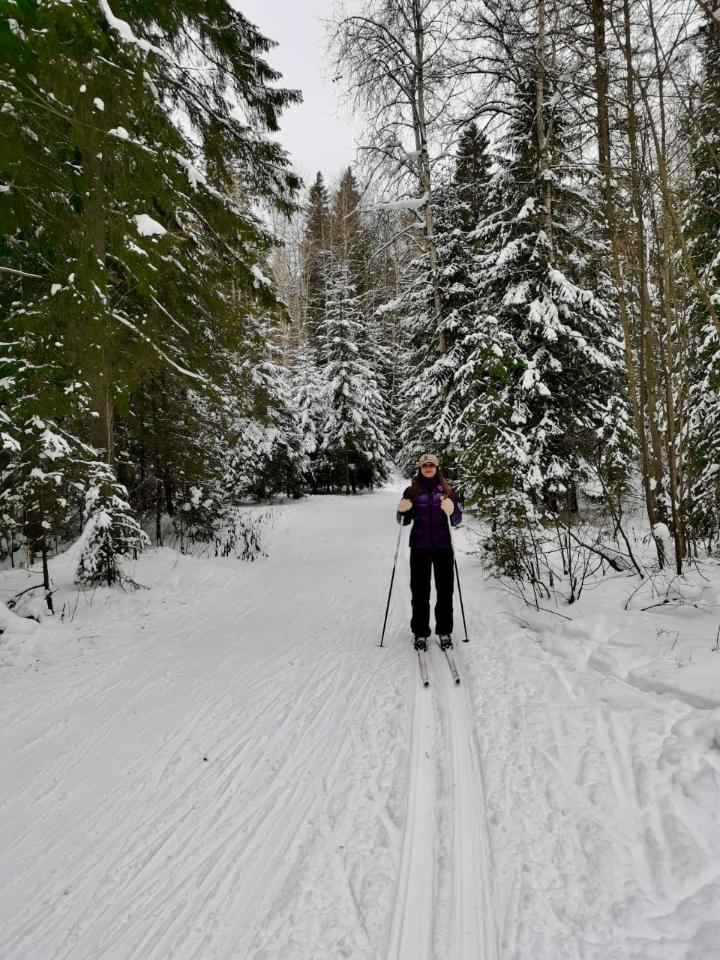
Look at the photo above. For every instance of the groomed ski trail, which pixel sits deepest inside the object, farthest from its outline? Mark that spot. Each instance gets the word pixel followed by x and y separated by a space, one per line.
pixel 445 901
pixel 228 767
pixel 474 898
pixel 411 936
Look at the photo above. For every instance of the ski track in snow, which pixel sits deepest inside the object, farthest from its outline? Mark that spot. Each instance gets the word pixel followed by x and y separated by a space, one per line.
pixel 473 892
pixel 411 936
pixel 228 768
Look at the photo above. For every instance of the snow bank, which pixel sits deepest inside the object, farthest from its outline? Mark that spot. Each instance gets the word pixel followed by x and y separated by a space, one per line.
pixel 645 653
pixel 660 635
pixel 29 640
pixel 11 624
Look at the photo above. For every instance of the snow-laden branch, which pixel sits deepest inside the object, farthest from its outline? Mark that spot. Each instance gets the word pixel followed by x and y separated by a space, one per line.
pixel 131 326
pixel 21 273
pixel 126 31
pixel 147 227
pixel 411 203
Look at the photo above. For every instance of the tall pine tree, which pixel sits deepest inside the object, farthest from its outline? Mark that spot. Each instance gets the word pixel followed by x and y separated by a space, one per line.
pixel 355 429
pixel 702 228
pixel 127 221
pixel 541 380
pixel 316 248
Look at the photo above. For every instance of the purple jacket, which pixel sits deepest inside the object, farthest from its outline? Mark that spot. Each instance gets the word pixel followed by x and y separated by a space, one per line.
pixel 430 523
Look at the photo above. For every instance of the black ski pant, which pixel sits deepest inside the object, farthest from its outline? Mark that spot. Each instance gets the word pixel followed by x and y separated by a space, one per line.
pixel 421 563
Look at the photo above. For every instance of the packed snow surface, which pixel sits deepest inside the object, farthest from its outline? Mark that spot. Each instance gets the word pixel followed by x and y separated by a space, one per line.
pixel 226 766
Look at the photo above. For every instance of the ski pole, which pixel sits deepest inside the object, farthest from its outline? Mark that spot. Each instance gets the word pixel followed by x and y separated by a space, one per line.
pixel 392 580
pixel 457 578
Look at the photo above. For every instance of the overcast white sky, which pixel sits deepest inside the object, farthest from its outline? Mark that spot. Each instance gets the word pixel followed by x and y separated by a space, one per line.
pixel 317 135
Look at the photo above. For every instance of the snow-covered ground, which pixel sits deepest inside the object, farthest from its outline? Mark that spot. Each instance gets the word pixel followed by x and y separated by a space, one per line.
pixel 228 767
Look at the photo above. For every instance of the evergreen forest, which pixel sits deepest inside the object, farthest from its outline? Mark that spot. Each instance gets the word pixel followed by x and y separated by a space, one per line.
pixel 520 273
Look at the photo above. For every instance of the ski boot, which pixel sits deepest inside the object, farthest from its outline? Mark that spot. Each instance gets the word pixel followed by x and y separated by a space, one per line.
pixel 420 643
pixel 445 641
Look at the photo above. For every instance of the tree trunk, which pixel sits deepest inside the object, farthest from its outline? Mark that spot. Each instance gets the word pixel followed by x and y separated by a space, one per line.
pixel 102 427
pixel 542 136
pixel 652 466
pixel 668 300
pixel 672 451
pixel 44 553
pixel 599 15
pixel 158 513
pixel 424 170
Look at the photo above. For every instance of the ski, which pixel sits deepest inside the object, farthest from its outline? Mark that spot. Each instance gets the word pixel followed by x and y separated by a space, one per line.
pixel 451 663
pixel 422 660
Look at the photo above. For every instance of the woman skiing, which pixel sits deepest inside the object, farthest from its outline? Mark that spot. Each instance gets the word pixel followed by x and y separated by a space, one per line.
pixel 430 504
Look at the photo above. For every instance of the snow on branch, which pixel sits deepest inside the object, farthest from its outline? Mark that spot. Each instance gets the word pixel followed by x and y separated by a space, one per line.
pixel 188 373
pixel 410 203
pixel 126 32
pixel 194 175
pixel 21 273
pixel 147 227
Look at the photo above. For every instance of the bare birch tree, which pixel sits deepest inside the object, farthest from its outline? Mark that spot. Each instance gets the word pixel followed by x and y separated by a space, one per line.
pixel 397 61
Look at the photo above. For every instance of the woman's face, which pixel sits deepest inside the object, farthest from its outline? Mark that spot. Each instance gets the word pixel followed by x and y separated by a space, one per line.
pixel 428 470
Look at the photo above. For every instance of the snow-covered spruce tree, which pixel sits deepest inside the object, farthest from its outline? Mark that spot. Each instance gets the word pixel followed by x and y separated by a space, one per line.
pixel 350 240
pixel 111 531
pixel 39 470
pixel 357 243
pixel 429 397
pixel 10 447
pixel 387 260
pixel 472 176
pixel 355 427
pixel 240 397
pixel 211 453
pixel 336 233
pixel 43 463
pixel 45 471
pixel 9 508
pixel 702 228
pixel 269 441
pixel 420 395
pixel 543 407
pixel 128 260
pixel 307 396
pixel 315 252
pixel 459 205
